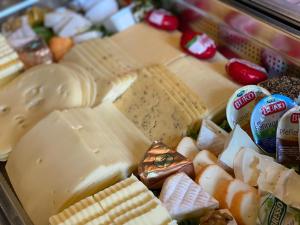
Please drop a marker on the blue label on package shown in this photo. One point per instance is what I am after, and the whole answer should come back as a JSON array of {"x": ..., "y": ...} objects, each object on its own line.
[{"x": 265, "y": 117}]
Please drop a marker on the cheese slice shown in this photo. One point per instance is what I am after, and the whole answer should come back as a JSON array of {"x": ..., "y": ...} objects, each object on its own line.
[
  {"x": 149, "y": 46},
  {"x": 96, "y": 153},
  {"x": 107, "y": 63},
  {"x": 184, "y": 198},
  {"x": 207, "y": 79},
  {"x": 187, "y": 147},
  {"x": 211, "y": 137},
  {"x": 238, "y": 139},
  {"x": 31, "y": 97},
  {"x": 145, "y": 104},
  {"x": 211, "y": 177},
  {"x": 202, "y": 159}
]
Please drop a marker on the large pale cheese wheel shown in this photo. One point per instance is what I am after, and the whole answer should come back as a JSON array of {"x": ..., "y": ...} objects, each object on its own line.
[
  {"x": 210, "y": 177},
  {"x": 149, "y": 46},
  {"x": 33, "y": 95},
  {"x": 70, "y": 155}
]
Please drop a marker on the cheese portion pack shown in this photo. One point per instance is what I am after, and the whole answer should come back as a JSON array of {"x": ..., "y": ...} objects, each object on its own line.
[
  {"x": 107, "y": 63},
  {"x": 127, "y": 202},
  {"x": 72, "y": 154},
  {"x": 160, "y": 106},
  {"x": 207, "y": 79},
  {"x": 10, "y": 64},
  {"x": 32, "y": 96},
  {"x": 150, "y": 46}
]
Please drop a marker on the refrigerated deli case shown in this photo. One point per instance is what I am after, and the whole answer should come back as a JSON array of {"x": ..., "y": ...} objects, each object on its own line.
[{"x": 262, "y": 31}]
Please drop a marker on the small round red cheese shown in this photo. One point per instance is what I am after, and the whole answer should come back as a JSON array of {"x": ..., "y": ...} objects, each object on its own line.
[
  {"x": 198, "y": 45},
  {"x": 245, "y": 72},
  {"x": 162, "y": 19}
]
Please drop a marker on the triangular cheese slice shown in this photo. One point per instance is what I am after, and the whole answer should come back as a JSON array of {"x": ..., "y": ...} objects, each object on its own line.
[
  {"x": 184, "y": 198},
  {"x": 160, "y": 162}
]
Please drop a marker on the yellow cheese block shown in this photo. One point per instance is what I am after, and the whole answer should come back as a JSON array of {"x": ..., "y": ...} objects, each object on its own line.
[
  {"x": 107, "y": 63},
  {"x": 207, "y": 79},
  {"x": 153, "y": 109},
  {"x": 126, "y": 202},
  {"x": 30, "y": 97},
  {"x": 72, "y": 154},
  {"x": 148, "y": 45}
]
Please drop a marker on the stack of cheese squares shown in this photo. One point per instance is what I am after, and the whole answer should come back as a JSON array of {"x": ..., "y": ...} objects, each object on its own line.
[
  {"x": 10, "y": 63},
  {"x": 72, "y": 154},
  {"x": 161, "y": 106},
  {"x": 128, "y": 202}
]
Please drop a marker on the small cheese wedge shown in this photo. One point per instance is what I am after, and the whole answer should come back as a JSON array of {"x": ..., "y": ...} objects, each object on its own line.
[
  {"x": 202, "y": 159},
  {"x": 211, "y": 177},
  {"x": 211, "y": 137},
  {"x": 75, "y": 25},
  {"x": 184, "y": 198},
  {"x": 188, "y": 148},
  {"x": 238, "y": 139},
  {"x": 248, "y": 165},
  {"x": 149, "y": 46},
  {"x": 96, "y": 153}
]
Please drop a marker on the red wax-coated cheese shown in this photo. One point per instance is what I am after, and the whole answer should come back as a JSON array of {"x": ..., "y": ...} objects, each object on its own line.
[
  {"x": 245, "y": 72},
  {"x": 198, "y": 45},
  {"x": 162, "y": 19}
]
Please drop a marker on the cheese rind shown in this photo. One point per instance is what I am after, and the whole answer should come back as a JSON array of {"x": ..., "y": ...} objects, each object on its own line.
[{"x": 184, "y": 198}]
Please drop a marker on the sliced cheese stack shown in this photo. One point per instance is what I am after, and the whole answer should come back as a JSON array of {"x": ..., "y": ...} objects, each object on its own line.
[
  {"x": 160, "y": 106},
  {"x": 32, "y": 96},
  {"x": 10, "y": 64},
  {"x": 72, "y": 154},
  {"x": 127, "y": 202},
  {"x": 184, "y": 198},
  {"x": 240, "y": 198},
  {"x": 150, "y": 46},
  {"x": 108, "y": 64},
  {"x": 207, "y": 79}
]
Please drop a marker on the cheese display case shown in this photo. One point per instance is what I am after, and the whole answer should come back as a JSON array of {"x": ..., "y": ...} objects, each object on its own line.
[{"x": 149, "y": 112}]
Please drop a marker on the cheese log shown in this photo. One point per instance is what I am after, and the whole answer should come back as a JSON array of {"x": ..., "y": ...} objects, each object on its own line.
[
  {"x": 211, "y": 177},
  {"x": 211, "y": 137},
  {"x": 31, "y": 97},
  {"x": 244, "y": 208},
  {"x": 204, "y": 158},
  {"x": 149, "y": 46},
  {"x": 145, "y": 105},
  {"x": 238, "y": 139},
  {"x": 207, "y": 79},
  {"x": 187, "y": 147},
  {"x": 248, "y": 165},
  {"x": 79, "y": 213},
  {"x": 184, "y": 198},
  {"x": 106, "y": 62},
  {"x": 96, "y": 153}
]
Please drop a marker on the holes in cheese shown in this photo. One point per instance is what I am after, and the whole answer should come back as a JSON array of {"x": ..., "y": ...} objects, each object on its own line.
[
  {"x": 31, "y": 97},
  {"x": 83, "y": 150}
]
